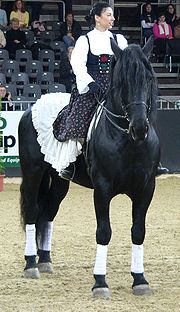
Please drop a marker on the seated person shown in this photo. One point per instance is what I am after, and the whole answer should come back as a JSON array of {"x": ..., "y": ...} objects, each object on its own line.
[
  {"x": 171, "y": 17},
  {"x": 2, "y": 40},
  {"x": 6, "y": 97},
  {"x": 162, "y": 31},
  {"x": 20, "y": 13},
  {"x": 38, "y": 27},
  {"x": 177, "y": 29},
  {"x": 67, "y": 76},
  {"x": 3, "y": 18},
  {"x": 15, "y": 38},
  {"x": 70, "y": 30},
  {"x": 148, "y": 19}
]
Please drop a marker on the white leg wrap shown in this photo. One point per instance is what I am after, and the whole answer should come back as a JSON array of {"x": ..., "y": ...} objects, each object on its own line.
[
  {"x": 137, "y": 259},
  {"x": 45, "y": 243},
  {"x": 30, "y": 247},
  {"x": 101, "y": 259}
]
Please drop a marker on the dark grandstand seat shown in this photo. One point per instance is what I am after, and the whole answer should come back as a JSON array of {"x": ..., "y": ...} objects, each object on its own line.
[
  {"x": 10, "y": 87},
  {"x": 30, "y": 37},
  {"x": 32, "y": 92},
  {"x": 9, "y": 67},
  {"x": 46, "y": 36},
  {"x": 47, "y": 58},
  {"x": 20, "y": 102},
  {"x": 20, "y": 80},
  {"x": 2, "y": 78},
  {"x": 59, "y": 48},
  {"x": 57, "y": 87},
  {"x": 4, "y": 54},
  {"x": 45, "y": 80},
  {"x": 33, "y": 68},
  {"x": 23, "y": 56}
]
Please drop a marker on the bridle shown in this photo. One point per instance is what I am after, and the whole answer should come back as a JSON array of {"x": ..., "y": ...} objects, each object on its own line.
[{"x": 108, "y": 113}]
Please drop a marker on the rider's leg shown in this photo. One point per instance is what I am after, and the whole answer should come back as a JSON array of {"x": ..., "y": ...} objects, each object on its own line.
[{"x": 69, "y": 172}]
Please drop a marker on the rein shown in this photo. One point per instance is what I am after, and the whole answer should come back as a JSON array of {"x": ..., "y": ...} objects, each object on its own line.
[{"x": 107, "y": 111}]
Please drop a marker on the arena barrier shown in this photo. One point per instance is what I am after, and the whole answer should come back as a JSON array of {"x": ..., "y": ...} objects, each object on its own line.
[{"x": 168, "y": 129}]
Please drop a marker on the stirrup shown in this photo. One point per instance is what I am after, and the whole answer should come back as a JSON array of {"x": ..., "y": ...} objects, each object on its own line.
[{"x": 69, "y": 172}]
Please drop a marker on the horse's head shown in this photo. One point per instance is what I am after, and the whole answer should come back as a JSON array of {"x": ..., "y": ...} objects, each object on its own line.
[{"x": 133, "y": 87}]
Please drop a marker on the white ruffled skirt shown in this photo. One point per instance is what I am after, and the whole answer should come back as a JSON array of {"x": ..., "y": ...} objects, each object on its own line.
[{"x": 44, "y": 112}]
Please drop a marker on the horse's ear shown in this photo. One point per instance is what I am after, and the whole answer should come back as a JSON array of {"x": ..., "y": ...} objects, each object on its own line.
[
  {"x": 116, "y": 49},
  {"x": 148, "y": 46}
]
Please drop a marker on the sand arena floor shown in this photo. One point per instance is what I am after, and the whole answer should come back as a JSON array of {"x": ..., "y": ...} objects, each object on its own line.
[{"x": 73, "y": 254}]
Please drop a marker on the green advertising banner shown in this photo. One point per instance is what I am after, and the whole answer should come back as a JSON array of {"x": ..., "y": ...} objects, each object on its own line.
[{"x": 9, "y": 155}]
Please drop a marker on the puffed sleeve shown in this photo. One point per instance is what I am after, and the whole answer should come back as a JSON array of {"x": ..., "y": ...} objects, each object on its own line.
[
  {"x": 78, "y": 63},
  {"x": 121, "y": 41}
]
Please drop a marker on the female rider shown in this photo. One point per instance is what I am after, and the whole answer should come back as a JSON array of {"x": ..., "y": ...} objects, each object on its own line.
[{"x": 90, "y": 62}]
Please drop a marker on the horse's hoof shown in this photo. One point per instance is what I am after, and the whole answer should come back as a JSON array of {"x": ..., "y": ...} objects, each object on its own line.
[
  {"x": 45, "y": 267},
  {"x": 32, "y": 273},
  {"x": 102, "y": 292},
  {"x": 143, "y": 289}
]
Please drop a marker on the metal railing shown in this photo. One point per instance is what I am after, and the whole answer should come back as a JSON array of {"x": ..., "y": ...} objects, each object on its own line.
[
  {"x": 163, "y": 103},
  {"x": 18, "y": 105},
  {"x": 168, "y": 103}
]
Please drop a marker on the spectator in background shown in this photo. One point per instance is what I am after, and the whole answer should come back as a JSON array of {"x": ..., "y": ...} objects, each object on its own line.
[
  {"x": 20, "y": 13},
  {"x": 177, "y": 29},
  {"x": 148, "y": 19},
  {"x": 3, "y": 18},
  {"x": 67, "y": 76},
  {"x": 162, "y": 31},
  {"x": 15, "y": 38},
  {"x": 70, "y": 30},
  {"x": 38, "y": 27},
  {"x": 68, "y": 8},
  {"x": 2, "y": 40},
  {"x": 6, "y": 97},
  {"x": 171, "y": 17}
]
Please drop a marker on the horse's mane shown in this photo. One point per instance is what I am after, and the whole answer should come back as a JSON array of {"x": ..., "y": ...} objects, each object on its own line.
[{"x": 130, "y": 72}]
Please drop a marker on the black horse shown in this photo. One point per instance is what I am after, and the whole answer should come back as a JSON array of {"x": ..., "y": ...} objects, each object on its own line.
[{"x": 123, "y": 155}]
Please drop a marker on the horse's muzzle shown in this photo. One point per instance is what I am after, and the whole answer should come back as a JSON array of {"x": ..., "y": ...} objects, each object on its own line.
[{"x": 139, "y": 131}]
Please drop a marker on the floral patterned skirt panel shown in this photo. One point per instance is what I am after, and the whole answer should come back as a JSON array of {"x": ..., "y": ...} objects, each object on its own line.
[{"x": 74, "y": 119}]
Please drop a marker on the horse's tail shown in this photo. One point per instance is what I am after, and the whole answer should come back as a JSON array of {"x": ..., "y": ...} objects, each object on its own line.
[{"x": 22, "y": 206}]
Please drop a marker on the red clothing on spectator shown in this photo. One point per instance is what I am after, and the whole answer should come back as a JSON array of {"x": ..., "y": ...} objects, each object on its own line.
[{"x": 162, "y": 31}]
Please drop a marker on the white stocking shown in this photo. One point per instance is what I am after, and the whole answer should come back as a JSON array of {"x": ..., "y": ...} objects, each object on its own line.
[
  {"x": 30, "y": 247},
  {"x": 101, "y": 259},
  {"x": 137, "y": 259}
]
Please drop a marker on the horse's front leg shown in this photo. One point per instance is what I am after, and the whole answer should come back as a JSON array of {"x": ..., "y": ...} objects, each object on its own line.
[
  {"x": 139, "y": 209},
  {"x": 103, "y": 235}
]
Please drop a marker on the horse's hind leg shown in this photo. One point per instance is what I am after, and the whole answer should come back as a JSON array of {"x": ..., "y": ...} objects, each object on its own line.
[
  {"x": 50, "y": 203},
  {"x": 140, "y": 206},
  {"x": 29, "y": 213}
]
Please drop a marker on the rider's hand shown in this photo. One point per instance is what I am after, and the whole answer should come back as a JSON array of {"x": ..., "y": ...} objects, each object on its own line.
[{"x": 94, "y": 87}]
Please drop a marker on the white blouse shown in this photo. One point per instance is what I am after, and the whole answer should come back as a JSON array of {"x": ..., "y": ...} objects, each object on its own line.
[{"x": 99, "y": 44}]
